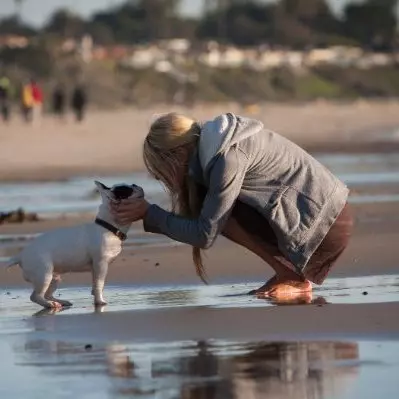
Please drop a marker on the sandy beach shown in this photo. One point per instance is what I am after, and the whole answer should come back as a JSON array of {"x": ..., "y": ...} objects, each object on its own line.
[
  {"x": 110, "y": 142},
  {"x": 164, "y": 334}
]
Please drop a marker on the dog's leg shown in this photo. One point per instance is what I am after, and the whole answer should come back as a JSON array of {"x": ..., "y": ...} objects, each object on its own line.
[
  {"x": 41, "y": 285},
  {"x": 100, "y": 270},
  {"x": 52, "y": 288}
]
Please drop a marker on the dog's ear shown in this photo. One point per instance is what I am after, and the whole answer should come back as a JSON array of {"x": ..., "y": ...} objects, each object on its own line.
[{"x": 101, "y": 187}]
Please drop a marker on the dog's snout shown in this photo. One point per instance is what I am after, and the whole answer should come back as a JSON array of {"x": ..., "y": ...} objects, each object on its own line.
[
  {"x": 138, "y": 191},
  {"x": 126, "y": 191}
]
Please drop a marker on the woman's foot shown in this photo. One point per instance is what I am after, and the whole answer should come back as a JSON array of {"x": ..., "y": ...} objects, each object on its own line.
[
  {"x": 288, "y": 289},
  {"x": 304, "y": 298},
  {"x": 287, "y": 276},
  {"x": 265, "y": 287}
]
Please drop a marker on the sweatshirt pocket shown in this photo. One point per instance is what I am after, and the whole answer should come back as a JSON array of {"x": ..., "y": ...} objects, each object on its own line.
[
  {"x": 294, "y": 215},
  {"x": 271, "y": 196}
]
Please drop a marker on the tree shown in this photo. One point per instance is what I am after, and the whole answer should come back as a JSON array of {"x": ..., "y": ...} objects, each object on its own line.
[
  {"x": 101, "y": 33},
  {"x": 373, "y": 23},
  {"x": 64, "y": 23},
  {"x": 18, "y": 8},
  {"x": 141, "y": 20},
  {"x": 158, "y": 17},
  {"x": 244, "y": 23},
  {"x": 304, "y": 23},
  {"x": 14, "y": 26}
]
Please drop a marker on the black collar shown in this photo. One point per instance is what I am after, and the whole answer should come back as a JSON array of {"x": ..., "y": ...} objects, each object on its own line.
[{"x": 122, "y": 236}]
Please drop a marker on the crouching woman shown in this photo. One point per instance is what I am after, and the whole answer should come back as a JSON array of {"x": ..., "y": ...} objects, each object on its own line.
[{"x": 232, "y": 176}]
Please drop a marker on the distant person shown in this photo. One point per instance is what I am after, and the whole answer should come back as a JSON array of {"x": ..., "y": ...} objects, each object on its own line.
[
  {"x": 37, "y": 95},
  {"x": 5, "y": 98},
  {"x": 79, "y": 102},
  {"x": 27, "y": 102},
  {"x": 59, "y": 101}
]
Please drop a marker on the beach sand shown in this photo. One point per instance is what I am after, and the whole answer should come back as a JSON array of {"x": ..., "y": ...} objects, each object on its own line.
[
  {"x": 111, "y": 142},
  {"x": 371, "y": 252},
  {"x": 164, "y": 334}
]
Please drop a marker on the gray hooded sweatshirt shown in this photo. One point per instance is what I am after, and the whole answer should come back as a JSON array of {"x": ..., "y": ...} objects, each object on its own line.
[{"x": 237, "y": 158}]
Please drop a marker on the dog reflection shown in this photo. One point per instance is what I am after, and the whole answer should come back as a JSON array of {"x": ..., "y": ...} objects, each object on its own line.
[{"x": 119, "y": 363}]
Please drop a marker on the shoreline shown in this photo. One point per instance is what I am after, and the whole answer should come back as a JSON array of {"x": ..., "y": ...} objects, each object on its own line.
[{"x": 54, "y": 174}]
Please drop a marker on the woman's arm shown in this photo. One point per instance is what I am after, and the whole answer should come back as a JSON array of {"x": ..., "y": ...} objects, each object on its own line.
[{"x": 225, "y": 181}]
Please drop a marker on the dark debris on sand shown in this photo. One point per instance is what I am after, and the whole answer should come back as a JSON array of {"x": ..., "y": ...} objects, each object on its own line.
[{"x": 18, "y": 216}]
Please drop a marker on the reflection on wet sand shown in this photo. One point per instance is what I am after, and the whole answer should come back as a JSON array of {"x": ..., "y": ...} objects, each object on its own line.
[
  {"x": 295, "y": 370},
  {"x": 205, "y": 370}
]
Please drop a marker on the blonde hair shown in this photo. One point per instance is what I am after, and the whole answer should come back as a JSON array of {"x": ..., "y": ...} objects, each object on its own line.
[{"x": 168, "y": 135}]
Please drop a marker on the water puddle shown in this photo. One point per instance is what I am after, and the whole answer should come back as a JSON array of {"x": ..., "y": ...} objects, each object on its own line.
[
  {"x": 76, "y": 196},
  {"x": 56, "y": 363},
  {"x": 69, "y": 197},
  {"x": 371, "y": 289},
  {"x": 209, "y": 369}
]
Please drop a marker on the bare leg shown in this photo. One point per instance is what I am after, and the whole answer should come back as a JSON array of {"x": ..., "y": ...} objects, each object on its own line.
[
  {"x": 236, "y": 233},
  {"x": 52, "y": 288},
  {"x": 40, "y": 288}
]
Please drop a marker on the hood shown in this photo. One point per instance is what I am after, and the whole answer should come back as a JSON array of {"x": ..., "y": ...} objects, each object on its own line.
[{"x": 219, "y": 134}]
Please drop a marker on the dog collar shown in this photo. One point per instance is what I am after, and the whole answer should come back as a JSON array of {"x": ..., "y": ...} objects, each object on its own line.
[{"x": 121, "y": 235}]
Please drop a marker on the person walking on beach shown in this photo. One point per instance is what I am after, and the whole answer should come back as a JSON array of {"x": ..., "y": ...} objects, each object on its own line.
[
  {"x": 37, "y": 95},
  {"x": 79, "y": 102},
  {"x": 5, "y": 98},
  {"x": 232, "y": 176},
  {"x": 27, "y": 102},
  {"x": 59, "y": 101}
]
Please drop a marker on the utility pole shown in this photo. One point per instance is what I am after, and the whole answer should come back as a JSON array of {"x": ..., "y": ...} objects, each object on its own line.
[
  {"x": 222, "y": 8},
  {"x": 18, "y": 9}
]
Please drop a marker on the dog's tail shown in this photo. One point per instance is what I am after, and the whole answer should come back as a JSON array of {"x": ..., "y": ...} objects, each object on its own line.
[{"x": 13, "y": 262}]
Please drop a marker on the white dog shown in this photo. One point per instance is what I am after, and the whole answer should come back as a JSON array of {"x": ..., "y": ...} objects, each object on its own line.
[{"x": 87, "y": 247}]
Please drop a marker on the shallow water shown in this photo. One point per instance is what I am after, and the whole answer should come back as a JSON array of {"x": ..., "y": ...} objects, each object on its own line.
[
  {"x": 14, "y": 302},
  {"x": 201, "y": 369},
  {"x": 36, "y": 366},
  {"x": 76, "y": 195}
]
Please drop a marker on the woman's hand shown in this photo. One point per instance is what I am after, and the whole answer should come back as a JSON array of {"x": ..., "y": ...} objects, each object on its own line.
[{"x": 129, "y": 210}]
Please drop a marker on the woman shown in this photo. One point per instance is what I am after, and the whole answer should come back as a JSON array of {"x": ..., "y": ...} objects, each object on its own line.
[{"x": 233, "y": 177}]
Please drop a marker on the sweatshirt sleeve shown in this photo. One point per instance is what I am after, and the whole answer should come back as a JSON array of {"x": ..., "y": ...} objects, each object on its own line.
[{"x": 225, "y": 180}]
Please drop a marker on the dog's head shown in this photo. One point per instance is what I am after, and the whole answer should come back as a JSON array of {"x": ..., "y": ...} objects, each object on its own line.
[{"x": 119, "y": 191}]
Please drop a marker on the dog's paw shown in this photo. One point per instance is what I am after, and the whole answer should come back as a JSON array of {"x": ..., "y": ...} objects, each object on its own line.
[
  {"x": 65, "y": 303},
  {"x": 53, "y": 305}
]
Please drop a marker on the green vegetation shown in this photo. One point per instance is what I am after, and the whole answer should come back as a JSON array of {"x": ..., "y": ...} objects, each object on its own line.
[{"x": 295, "y": 24}]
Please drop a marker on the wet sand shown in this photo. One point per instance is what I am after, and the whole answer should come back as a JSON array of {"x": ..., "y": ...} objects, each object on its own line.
[
  {"x": 165, "y": 335},
  {"x": 184, "y": 342},
  {"x": 372, "y": 251}
]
